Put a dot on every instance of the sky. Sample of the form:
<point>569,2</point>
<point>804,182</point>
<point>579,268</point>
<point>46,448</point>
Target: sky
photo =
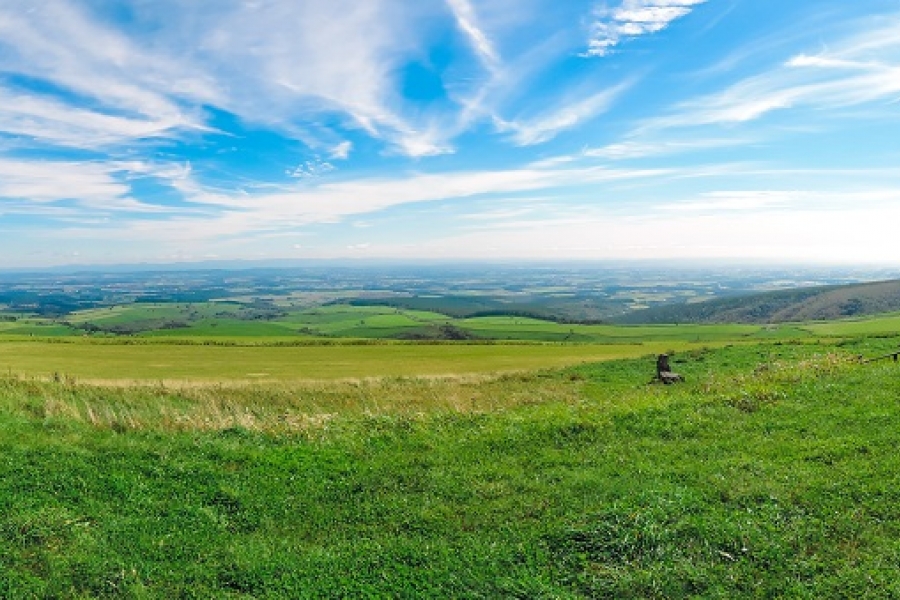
<point>165,131</point>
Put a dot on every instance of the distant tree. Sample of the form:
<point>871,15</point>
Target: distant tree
<point>854,306</point>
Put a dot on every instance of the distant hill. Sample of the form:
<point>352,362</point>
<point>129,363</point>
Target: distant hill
<point>802,304</point>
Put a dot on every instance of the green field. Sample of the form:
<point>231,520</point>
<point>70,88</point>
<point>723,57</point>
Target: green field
<point>306,456</point>
<point>232,320</point>
<point>772,472</point>
<point>875,326</point>
<point>355,342</point>
<point>94,360</point>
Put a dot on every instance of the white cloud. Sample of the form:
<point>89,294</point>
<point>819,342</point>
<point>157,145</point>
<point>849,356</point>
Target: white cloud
<point>565,115</point>
<point>222,215</point>
<point>633,149</point>
<point>282,64</point>
<point>307,69</point>
<point>71,188</point>
<point>311,169</point>
<point>48,181</point>
<point>417,144</point>
<point>859,69</point>
<point>341,151</point>
<point>40,121</point>
<point>631,19</point>
<point>121,90</point>
<point>467,22</point>
<point>769,224</point>
<point>286,64</point>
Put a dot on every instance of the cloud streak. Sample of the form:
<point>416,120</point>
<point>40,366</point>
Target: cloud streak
<point>633,19</point>
<point>280,64</point>
<point>858,70</point>
<point>87,188</point>
<point>33,120</point>
<point>44,182</point>
<point>565,115</point>
<point>467,22</point>
<point>218,214</point>
<point>115,90</point>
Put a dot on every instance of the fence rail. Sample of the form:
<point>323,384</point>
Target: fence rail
<point>892,355</point>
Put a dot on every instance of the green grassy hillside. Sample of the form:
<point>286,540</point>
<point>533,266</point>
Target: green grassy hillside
<point>797,305</point>
<point>224,323</point>
<point>772,472</point>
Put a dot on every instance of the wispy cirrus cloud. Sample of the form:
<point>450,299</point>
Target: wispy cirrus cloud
<point>210,214</point>
<point>632,19</point>
<point>280,64</point>
<point>33,120</point>
<point>86,188</point>
<point>636,149</point>
<point>288,64</point>
<point>315,71</point>
<point>467,22</point>
<point>565,114</point>
<point>859,69</point>
<point>96,83</point>
<point>51,181</point>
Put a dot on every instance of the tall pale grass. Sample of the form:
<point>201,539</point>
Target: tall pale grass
<point>300,407</point>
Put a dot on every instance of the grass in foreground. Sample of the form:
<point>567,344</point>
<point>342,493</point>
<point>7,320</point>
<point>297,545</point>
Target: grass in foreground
<point>771,473</point>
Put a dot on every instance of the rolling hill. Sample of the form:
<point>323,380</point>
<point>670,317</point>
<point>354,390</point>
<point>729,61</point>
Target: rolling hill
<point>802,304</point>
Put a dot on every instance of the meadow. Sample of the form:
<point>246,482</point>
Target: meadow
<point>266,361</point>
<point>349,342</point>
<point>310,467</point>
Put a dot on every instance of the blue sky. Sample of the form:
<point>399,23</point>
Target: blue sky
<point>166,131</point>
